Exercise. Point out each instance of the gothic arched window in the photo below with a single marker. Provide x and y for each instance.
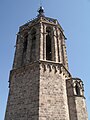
(25, 43)
(33, 44)
(48, 45)
(77, 89)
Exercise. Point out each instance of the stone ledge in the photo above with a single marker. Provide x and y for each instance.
(41, 64)
(51, 65)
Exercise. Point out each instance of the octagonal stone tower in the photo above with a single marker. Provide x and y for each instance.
(40, 85)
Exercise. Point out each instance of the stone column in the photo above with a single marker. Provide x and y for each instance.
(55, 45)
(37, 44)
(60, 47)
(18, 52)
(65, 54)
(44, 41)
(41, 41)
(62, 51)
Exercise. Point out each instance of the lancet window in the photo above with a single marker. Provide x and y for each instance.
(25, 43)
(33, 44)
(48, 44)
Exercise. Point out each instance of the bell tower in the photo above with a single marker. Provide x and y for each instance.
(40, 85)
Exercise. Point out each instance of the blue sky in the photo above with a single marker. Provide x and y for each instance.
(74, 17)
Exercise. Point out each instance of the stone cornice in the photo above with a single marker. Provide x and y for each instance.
(51, 65)
(58, 67)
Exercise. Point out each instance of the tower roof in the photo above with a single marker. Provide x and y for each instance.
(45, 19)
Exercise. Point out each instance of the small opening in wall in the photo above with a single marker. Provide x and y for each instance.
(77, 89)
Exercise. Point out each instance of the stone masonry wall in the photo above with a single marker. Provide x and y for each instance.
(23, 100)
(71, 100)
(81, 108)
(53, 97)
